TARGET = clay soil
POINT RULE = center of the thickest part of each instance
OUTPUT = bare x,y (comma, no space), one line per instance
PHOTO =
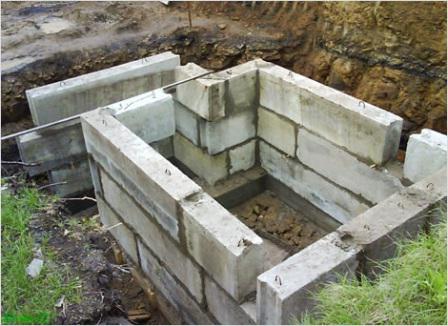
271,218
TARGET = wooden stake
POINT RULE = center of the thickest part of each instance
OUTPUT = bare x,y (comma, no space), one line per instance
189,14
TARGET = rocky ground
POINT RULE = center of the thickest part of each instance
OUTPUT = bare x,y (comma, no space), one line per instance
390,54
267,215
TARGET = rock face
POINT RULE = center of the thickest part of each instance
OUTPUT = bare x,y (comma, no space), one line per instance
390,54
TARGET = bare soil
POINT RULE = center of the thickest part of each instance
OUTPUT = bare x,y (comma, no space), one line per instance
109,293
271,218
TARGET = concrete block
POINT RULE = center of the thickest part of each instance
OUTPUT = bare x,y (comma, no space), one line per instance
242,158
95,175
219,135
164,147
285,291
227,249
345,169
225,309
168,286
155,182
121,233
241,87
204,96
87,92
277,131
187,123
331,199
153,236
425,154
77,179
210,168
280,94
150,115
365,130
52,147
403,214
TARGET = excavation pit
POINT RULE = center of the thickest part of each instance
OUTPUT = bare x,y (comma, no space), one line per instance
242,192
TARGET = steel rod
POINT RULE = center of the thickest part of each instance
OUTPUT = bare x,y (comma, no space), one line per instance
77,116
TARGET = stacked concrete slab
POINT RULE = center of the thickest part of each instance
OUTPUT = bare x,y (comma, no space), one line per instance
60,149
325,146
197,254
216,121
285,292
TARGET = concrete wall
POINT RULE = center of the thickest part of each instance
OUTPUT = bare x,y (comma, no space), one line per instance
285,292
170,226
60,149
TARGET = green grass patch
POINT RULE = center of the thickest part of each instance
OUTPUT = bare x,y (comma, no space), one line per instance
412,289
26,300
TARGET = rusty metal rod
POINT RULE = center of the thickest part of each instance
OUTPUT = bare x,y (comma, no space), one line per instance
77,116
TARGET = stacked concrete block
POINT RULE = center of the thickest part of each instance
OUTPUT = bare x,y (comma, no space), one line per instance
71,179
403,214
425,154
52,148
277,131
285,291
330,198
225,247
345,169
87,92
182,235
149,115
228,132
216,120
120,231
63,144
361,128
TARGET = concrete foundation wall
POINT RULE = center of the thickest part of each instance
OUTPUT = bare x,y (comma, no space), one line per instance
61,150
318,143
169,225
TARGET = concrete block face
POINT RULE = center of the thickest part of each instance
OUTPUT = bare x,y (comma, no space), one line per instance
242,157
333,200
277,131
364,130
280,94
241,88
210,168
187,123
164,147
77,177
403,214
228,250
87,92
233,130
136,165
345,169
121,233
150,115
203,96
425,154
190,310
285,291
166,250
52,148
225,309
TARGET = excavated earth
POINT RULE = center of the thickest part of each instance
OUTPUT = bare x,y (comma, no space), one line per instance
391,54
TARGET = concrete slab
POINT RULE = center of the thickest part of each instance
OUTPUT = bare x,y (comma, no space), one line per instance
63,99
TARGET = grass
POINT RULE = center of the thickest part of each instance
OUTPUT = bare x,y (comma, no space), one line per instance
412,289
26,300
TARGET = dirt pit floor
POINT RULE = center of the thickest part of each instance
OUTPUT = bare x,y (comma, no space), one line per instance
271,218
